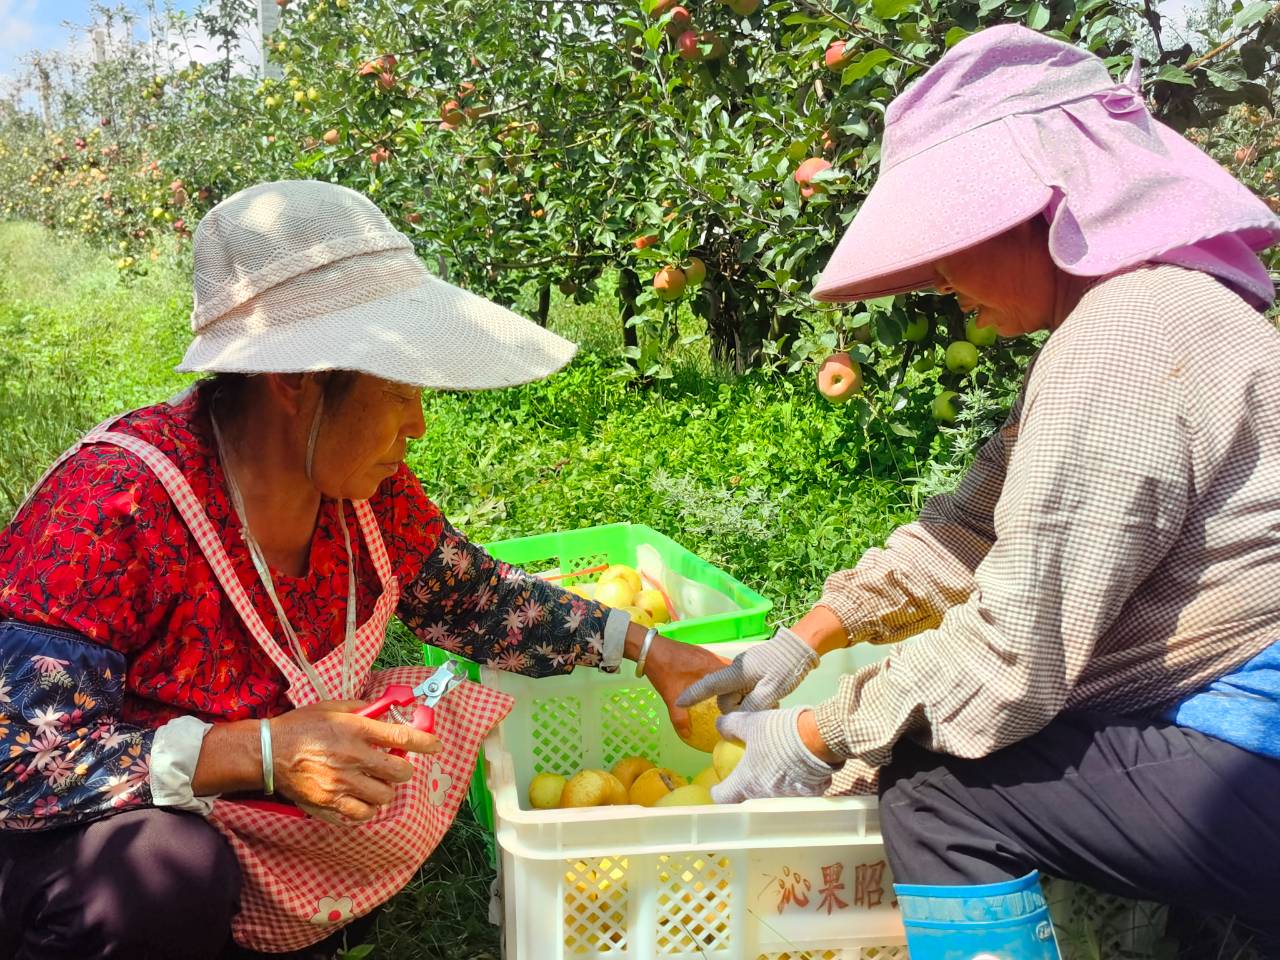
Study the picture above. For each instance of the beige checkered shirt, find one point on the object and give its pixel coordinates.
(1115, 546)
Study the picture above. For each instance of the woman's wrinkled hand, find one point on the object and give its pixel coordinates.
(334, 764)
(671, 667)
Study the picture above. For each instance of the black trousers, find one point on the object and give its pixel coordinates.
(148, 884)
(1144, 810)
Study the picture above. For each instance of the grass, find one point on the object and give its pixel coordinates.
(754, 473)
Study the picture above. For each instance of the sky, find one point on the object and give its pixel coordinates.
(27, 25)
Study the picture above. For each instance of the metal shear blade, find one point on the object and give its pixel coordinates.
(444, 679)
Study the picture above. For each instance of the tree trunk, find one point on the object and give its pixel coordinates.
(628, 290)
(544, 304)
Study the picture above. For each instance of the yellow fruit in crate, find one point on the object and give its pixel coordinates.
(545, 790)
(581, 589)
(628, 768)
(618, 793)
(707, 778)
(620, 571)
(702, 726)
(651, 602)
(725, 757)
(638, 616)
(615, 593)
(692, 795)
(652, 785)
(586, 788)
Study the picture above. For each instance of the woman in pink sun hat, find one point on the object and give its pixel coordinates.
(1092, 684)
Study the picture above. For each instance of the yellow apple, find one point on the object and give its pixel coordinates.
(652, 785)
(618, 793)
(688, 796)
(702, 725)
(545, 790)
(628, 768)
(638, 616)
(707, 778)
(587, 788)
(615, 593)
(725, 757)
(620, 571)
(652, 602)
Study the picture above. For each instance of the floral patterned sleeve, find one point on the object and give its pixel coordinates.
(64, 757)
(466, 602)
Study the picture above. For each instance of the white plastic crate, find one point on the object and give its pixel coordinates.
(776, 879)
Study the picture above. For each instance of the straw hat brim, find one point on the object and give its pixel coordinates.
(435, 336)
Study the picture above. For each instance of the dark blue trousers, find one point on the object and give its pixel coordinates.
(1144, 810)
(144, 885)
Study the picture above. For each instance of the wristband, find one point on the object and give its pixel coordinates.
(268, 761)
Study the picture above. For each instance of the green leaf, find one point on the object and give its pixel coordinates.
(1172, 74)
(1038, 16)
(889, 9)
(955, 35)
(1221, 80)
(866, 63)
(1250, 15)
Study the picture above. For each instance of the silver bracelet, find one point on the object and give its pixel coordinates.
(644, 650)
(268, 761)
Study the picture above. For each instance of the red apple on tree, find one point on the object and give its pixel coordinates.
(379, 155)
(839, 377)
(669, 282)
(331, 137)
(807, 171)
(680, 20)
(838, 55)
(643, 243)
(386, 80)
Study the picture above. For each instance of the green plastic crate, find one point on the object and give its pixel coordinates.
(617, 543)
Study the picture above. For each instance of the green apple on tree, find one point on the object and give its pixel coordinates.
(980, 335)
(962, 356)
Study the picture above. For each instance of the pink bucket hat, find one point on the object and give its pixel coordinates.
(1009, 124)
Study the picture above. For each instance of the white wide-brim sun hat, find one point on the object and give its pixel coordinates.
(301, 275)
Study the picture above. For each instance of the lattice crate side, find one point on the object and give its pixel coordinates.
(697, 912)
(555, 733)
(573, 561)
(595, 907)
(630, 719)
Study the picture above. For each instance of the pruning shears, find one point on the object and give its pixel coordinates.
(410, 705)
(397, 699)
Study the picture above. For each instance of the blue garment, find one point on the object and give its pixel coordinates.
(1001, 921)
(1242, 708)
(65, 755)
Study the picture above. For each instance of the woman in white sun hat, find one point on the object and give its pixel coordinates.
(1092, 681)
(192, 599)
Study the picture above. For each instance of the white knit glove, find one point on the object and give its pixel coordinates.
(776, 764)
(757, 679)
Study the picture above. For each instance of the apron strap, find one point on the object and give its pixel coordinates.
(206, 537)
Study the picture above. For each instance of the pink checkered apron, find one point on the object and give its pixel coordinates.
(304, 878)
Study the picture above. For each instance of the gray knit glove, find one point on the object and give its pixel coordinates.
(776, 764)
(757, 679)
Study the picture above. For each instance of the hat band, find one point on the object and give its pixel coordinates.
(325, 290)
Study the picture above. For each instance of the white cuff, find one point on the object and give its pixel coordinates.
(174, 753)
(615, 639)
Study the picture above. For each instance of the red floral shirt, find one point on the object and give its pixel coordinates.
(102, 551)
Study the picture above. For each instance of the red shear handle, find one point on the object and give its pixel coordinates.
(424, 717)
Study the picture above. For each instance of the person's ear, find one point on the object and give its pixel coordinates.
(291, 390)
